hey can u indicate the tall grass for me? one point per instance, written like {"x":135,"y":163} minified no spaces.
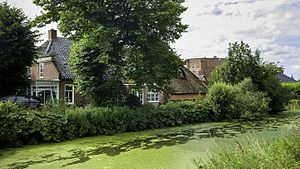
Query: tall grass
{"x":284,"y":153}
{"x":294,"y":105}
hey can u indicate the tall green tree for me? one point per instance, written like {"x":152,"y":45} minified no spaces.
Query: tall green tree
{"x":239,"y":64}
{"x":242,"y":63}
{"x":117,"y":40}
{"x":17,"y":49}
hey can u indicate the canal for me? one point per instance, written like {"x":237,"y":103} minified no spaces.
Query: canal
{"x":170,"y":148}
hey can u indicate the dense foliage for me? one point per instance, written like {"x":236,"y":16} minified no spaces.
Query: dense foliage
{"x":294,"y":88}
{"x":241,"y":63}
{"x":237,"y":101}
{"x":56,"y":122}
{"x":283,"y":153}
{"x":294,"y":104}
{"x":17,"y":49}
{"x":119,"y":40}
{"x":20,"y":126}
{"x":133,"y":101}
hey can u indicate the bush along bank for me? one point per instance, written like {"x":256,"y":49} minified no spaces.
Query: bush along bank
{"x":20,"y":126}
{"x":241,"y":101}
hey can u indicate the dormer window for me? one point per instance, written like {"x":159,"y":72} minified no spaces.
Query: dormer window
{"x":41,"y":70}
{"x":194,"y":66}
{"x":181,"y":74}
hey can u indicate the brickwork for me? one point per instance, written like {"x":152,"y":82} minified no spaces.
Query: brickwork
{"x":50,"y":71}
{"x":78,"y":98}
{"x":203,"y":66}
{"x":185,"y":96}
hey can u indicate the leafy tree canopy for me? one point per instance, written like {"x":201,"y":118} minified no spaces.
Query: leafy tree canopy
{"x":17,"y":49}
{"x":119,"y":40}
{"x":241,"y":63}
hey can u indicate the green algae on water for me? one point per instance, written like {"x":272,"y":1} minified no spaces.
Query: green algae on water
{"x":163,"y":148}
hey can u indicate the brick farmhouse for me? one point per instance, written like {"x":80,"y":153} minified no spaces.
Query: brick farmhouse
{"x":52,"y":79}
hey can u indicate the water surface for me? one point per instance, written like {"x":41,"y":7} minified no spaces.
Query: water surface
{"x":169,"y":148}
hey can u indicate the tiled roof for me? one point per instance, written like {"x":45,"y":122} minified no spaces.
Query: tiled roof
{"x":59,"y":49}
{"x":284,"y":78}
{"x":188,"y":83}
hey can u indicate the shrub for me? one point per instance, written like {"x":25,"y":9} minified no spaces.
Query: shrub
{"x":30,"y":127}
{"x":294,"y":104}
{"x":133,"y":101}
{"x":222,"y":98}
{"x":21,"y":126}
{"x":186,"y":112}
{"x":294,"y":88}
{"x":237,"y":101}
{"x":251,"y":105}
{"x":250,"y":102}
{"x":8,"y":107}
{"x":145,"y":117}
{"x":242,"y":63}
{"x":55,"y":106}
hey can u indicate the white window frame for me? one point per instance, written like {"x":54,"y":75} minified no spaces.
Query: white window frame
{"x":29,"y":72}
{"x":37,"y":87}
{"x":140,"y":95}
{"x":67,"y":94}
{"x":41,"y":70}
{"x":153,"y":97}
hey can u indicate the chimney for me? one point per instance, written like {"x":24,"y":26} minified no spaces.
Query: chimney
{"x":52,"y":34}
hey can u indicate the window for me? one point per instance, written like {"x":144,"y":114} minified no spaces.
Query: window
{"x":69,"y":94}
{"x":194,"y":66}
{"x":153,"y":97}
{"x":41,"y":70}
{"x":140,"y":94}
{"x":181,"y":74}
{"x":29,"y":72}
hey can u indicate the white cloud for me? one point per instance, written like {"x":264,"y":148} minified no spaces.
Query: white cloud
{"x":272,"y":26}
{"x":29,"y":9}
{"x":32,"y":11}
{"x":295,"y":67}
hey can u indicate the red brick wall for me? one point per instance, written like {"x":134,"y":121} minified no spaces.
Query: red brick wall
{"x":196,"y":62}
{"x":208,"y":65}
{"x":50,"y":71}
{"x":203,"y":65}
{"x":185,"y":96}
{"x":78,"y":98}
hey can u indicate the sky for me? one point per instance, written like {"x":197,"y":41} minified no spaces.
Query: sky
{"x":271,"y":26}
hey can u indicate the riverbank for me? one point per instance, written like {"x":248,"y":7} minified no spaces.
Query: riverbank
{"x":283,"y":153}
{"x":168,"y":148}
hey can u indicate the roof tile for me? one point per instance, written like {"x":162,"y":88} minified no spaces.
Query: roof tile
{"x":59,"y":49}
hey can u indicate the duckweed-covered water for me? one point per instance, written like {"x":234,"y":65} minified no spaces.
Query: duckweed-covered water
{"x":171,"y":148}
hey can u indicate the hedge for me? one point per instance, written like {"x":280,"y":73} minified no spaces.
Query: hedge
{"x":20,"y":126}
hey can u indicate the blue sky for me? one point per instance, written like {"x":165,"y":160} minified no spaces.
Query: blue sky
{"x":272,"y":26}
